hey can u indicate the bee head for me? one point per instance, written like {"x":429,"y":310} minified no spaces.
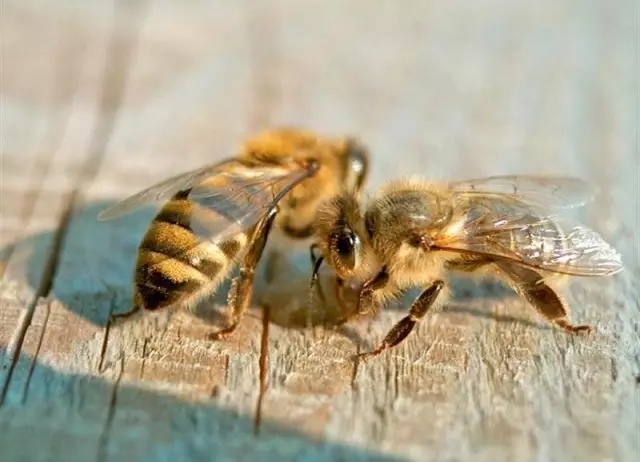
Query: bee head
{"x":339,"y":233}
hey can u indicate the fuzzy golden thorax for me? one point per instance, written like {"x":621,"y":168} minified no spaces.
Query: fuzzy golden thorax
{"x":340,"y":160}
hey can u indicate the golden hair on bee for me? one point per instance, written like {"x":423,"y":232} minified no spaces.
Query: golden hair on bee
{"x":220,"y":216}
{"x":412,"y":233}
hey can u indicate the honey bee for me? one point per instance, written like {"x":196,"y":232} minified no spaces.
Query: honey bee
{"x":218,"y":217}
{"x":412,"y":233}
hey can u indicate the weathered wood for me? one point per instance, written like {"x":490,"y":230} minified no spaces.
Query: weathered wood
{"x":102,"y":99}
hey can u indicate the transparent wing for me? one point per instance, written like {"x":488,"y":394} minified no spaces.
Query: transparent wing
{"x":233,"y":202}
{"x":554,"y":192}
{"x":509,"y":229}
{"x":222,"y":206}
{"x":161,"y":192}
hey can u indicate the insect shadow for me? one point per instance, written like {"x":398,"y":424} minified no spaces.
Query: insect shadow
{"x":88,"y":266}
{"x":83,"y":265}
{"x":91,"y":270}
{"x":38,"y":397}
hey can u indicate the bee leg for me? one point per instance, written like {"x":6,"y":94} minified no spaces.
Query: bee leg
{"x":404,"y":327}
{"x":544,"y":299}
{"x":113,"y":318}
{"x":370,"y":286}
{"x":137,"y":305}
{"x":242,"y":285}
{"x":547,"y":302}
{"x":315,"y":264}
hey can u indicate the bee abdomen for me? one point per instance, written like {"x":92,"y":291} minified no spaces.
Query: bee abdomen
{"x":174,"y":264}
{"x":159,"y":286}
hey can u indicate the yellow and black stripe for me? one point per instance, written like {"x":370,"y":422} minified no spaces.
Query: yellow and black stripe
{"x":174,"y":263}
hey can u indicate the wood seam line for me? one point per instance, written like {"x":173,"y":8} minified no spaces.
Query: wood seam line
{"x":263,"y":367}
{"x":259,"y":23}
{"x":65,"y":85}
{"x":113,"y":402}
{"x":118,"y":56}
{"x":25,"y":391}
{"x":105,"y":337}
{"x":30,"y":205}
{"x":120,"y":48}
{"x":48,"y":274}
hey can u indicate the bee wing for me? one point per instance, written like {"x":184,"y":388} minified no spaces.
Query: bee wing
{"x":553,"y":192}
{"x":505,"y":228}
{"x":160,"y":192}
{"x":234,"y":201}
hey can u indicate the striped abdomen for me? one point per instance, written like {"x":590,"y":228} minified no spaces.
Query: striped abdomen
{"x":174,"y":264}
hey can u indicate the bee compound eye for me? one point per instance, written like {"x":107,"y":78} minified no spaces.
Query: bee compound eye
{"x":345,"y":244}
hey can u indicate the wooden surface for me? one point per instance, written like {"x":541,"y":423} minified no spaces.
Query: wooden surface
{"x":100,"y":99}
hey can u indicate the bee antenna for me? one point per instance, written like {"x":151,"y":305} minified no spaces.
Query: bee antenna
{"x":314,"y":278}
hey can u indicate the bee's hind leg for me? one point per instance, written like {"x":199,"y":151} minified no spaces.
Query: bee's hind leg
{"x":404,"y":327}
{"x":242,"y":286}
{"x":544,"y":299}
{"x":137,"y":306}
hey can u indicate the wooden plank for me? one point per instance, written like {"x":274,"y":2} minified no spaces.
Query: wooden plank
{"x":432,"y":87}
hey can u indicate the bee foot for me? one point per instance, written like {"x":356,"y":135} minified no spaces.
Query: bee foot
{"x":222,"y":334}
{"x":370,"y":354}
{"x":586,"y":330}
{"x":583,"y":329}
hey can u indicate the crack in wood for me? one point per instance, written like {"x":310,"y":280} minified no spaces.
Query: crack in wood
{"x":122,"y":43}
{"x":65,"y":84}
{"x":113,"y":402}
{"x":116,"y":64}
{"x":144,"y":356}
{"x":354,"y":370}
{"x":46,"y":283}
{"x":263,"y":366}
{"x":226,"y":370}
{"x":32,"y":365}
{"x":105,"y":337}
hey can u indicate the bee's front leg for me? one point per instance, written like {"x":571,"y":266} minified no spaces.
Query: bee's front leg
{"x":404,"y":327}
{"x":242,"y":286}
{"x":315,"y":265}
{"x":367,"y":290}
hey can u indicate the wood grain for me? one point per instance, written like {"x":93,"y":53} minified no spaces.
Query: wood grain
{"x":102,"y":99}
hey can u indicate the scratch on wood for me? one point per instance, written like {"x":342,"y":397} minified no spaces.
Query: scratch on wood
{"x":104,"y":437}
{"x":105,"y":337}
{"x":66,"y":84}
{"x":263,"y":367}
{"x":354,"y":371}
{"x":144,"y":356}
{"x":46,"y":283}
{"x":396,"y":382}
{"x":118,"y":57}
{"x":226,"y":370}
{"x":117,"y":64}
{"x":37,"y":352}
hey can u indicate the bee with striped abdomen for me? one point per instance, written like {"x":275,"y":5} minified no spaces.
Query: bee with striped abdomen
{"x":413,"y":232}
{"x":220,"y":216}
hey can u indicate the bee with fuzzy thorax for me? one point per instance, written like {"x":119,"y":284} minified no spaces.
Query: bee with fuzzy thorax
{"x":220,"y":216}
{"x":413,"y":232}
